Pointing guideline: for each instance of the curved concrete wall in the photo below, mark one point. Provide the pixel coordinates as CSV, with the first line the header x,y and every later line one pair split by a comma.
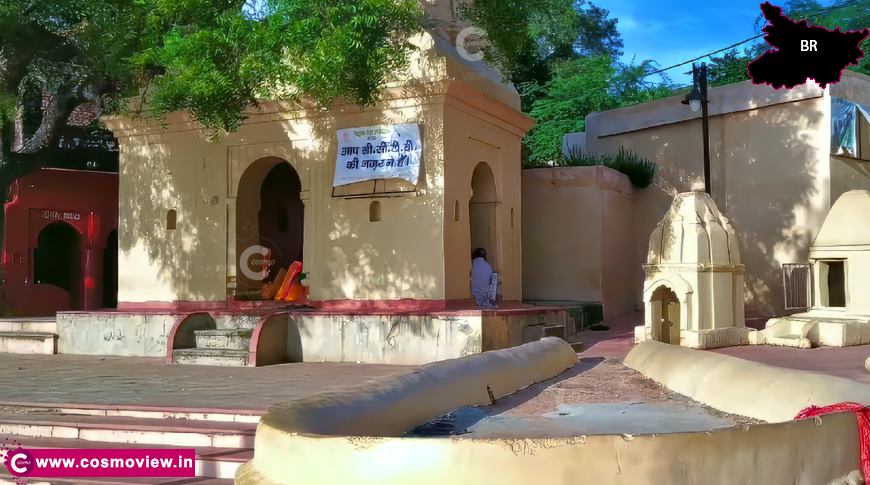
x,y
801,452
741,387
288,452
392,406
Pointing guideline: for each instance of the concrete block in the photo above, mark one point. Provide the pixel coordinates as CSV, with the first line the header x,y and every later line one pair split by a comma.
x,y
712,339
40,325
533,334
218,357
555,331
236,339
114,334
640,333
19,342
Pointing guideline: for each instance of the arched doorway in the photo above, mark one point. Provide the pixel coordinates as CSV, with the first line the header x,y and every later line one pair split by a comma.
x,y
57,260
110,271
665,307
269,224
482,212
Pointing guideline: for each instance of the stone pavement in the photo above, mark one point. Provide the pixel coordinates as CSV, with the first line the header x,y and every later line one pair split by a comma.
x,y
847,362
81,379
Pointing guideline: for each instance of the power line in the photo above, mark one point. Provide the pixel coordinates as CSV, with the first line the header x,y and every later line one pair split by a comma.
x,y
705,55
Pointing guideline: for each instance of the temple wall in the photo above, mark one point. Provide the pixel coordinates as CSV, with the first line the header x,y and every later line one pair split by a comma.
x,y
577,229
770,172
410,252
346,255
473,137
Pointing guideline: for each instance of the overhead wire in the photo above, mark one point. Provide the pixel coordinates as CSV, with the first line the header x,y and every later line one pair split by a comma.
x,y
821,11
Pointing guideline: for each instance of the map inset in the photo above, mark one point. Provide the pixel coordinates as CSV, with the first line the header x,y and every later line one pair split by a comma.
x,y
800,52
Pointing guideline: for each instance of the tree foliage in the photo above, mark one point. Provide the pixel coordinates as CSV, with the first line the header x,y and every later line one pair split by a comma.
x,y
732,67
211,58
285,49
848,15
526,37
579,87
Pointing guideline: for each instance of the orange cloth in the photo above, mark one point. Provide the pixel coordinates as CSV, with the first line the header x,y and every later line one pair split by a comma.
x,y
292,273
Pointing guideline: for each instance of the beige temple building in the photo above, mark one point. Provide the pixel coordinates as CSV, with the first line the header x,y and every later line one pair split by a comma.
x,y
381,206
191,210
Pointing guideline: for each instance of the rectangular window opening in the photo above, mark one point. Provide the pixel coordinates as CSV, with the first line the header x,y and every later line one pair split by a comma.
x,y
836,282
171,219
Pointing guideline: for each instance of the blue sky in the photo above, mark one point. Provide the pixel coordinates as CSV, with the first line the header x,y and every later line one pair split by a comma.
x,y
671,32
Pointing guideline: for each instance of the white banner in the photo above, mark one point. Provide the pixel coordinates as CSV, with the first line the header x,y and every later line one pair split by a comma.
x,y
378,152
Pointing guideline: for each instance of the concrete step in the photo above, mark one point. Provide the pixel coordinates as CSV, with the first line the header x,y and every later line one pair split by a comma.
x,y
577,346
33,324
555,331
225,357
135,411
234,338
170,431
20,342
210,462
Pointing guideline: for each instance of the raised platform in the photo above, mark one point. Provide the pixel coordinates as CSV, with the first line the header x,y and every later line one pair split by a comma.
x,y
275,332
814,329
28,335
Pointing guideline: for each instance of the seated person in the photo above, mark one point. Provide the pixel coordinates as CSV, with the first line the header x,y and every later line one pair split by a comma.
x,y
481,279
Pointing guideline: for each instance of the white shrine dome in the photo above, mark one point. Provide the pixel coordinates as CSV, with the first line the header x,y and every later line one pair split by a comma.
x,y
848,222
693,232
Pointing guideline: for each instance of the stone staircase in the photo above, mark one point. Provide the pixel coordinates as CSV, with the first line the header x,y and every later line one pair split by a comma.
x,y
223,440
32,335
228,345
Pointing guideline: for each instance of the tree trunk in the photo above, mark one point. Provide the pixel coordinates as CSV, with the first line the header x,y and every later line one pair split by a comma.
x,y
58,107
38,151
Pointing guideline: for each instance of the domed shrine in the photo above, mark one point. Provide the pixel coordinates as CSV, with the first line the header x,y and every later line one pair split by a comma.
x,y
833,281
693,291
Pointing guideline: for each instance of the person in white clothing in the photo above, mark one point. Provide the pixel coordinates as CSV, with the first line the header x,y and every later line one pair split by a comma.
x,y
481,279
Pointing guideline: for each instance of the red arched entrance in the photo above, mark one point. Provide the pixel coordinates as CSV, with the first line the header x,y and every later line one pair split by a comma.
x,y
57,260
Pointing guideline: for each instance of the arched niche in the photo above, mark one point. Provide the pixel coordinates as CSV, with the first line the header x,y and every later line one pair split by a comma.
x,y
57,260
269,223
483,213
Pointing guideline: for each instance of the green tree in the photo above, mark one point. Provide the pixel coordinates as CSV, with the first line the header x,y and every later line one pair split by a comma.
x,y
526,39
732,67
579,87
280,49
848,15
211,58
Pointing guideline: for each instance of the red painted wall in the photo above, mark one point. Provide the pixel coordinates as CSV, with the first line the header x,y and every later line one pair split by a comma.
x,y
86,201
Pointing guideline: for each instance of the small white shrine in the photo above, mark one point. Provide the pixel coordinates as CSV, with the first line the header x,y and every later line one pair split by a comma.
x,y
693,292
837,278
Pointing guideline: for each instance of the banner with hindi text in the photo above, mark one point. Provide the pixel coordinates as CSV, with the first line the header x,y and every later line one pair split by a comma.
x,y
378,152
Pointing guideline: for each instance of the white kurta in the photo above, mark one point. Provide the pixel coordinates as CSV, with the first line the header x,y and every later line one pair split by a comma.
x,y
481,282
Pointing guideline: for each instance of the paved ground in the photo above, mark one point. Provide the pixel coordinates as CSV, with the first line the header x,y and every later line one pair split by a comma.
x,y
845,362
150,381
616,342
